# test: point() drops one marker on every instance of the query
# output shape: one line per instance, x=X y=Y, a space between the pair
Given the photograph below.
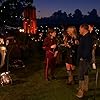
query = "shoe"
x=80 y=94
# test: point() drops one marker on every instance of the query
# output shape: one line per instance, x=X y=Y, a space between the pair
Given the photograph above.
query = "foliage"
x=62 y=18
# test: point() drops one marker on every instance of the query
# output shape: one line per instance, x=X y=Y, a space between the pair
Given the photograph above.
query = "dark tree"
x=93 y=17
x=77 y=17
x=11 y=12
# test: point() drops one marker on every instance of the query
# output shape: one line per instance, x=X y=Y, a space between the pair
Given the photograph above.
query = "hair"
x=85 y=26
x=92 y=25
x=74 y=29
x=50 y=30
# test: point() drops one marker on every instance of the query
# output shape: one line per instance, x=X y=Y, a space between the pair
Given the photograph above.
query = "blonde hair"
x=72 y=30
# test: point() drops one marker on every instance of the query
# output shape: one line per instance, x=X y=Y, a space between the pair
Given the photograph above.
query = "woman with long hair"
x=70 y=42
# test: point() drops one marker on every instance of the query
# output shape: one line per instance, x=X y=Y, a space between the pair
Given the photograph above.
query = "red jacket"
x=48 y=42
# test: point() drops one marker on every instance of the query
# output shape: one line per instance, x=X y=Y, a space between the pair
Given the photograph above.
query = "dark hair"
x=50 y=30
x=85 y=26
x=92 y=25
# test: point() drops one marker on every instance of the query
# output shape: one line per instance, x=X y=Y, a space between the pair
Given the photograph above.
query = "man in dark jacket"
x=85 y=55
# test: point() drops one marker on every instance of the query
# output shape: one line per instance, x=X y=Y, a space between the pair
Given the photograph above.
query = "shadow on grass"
x=15 y=82
x=98 y=89
x=61 y=77
x=89 y=97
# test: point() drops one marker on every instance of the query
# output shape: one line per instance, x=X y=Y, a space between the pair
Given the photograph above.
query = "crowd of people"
x=79 y=51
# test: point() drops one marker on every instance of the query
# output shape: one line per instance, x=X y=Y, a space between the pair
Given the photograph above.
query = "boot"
x=70 y=78
x=80 y=92
x=79 y=86
x=86 y=82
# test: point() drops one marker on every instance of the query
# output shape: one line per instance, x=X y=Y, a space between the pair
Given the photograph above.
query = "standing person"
x=2 y=51
x=50 y=46
x=85 y=55
x=70 y=42
x=94 y=40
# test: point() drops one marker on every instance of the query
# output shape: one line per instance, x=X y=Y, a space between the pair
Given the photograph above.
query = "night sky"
x=46 y=8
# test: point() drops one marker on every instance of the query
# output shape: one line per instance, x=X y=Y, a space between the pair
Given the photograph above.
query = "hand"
x=53 y=46
x=62 y=44
x=93 y=66
x=56 y=52
x=77 y=42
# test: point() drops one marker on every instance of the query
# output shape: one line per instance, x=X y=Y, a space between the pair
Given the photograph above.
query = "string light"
x=41 y=26
x=35 y=40
x=21 y=30
x=42 y=30
x=1 y=11
x=6 y=32
x=55 y=28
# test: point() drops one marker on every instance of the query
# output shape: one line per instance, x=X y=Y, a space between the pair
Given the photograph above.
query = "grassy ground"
x=29 y=84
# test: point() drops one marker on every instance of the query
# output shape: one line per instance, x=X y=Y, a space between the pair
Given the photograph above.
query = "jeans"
x=83 y=68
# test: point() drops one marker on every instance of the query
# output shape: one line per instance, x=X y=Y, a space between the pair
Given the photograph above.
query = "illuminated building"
x=29 y=22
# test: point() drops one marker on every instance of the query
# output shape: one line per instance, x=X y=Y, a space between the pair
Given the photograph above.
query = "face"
x=70 y=31
x=53 y=34
x=90 y=27
x=81 y=30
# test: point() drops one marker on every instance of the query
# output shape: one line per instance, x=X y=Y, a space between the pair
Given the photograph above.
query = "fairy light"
x=55 y=28
x=41 y=26
x=1 y=11
x=21 y=30
x=35 y=40
x=59 y=32
x=6 y=32
x=20 y=17
x=32 y=38
x=42 y=30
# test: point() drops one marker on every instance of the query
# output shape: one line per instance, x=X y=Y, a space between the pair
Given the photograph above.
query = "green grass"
x=29 y=84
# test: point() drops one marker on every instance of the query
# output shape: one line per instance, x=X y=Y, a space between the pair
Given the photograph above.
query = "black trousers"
x=83 y=68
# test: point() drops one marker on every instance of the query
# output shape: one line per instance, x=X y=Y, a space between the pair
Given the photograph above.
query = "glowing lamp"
x=21 y=30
